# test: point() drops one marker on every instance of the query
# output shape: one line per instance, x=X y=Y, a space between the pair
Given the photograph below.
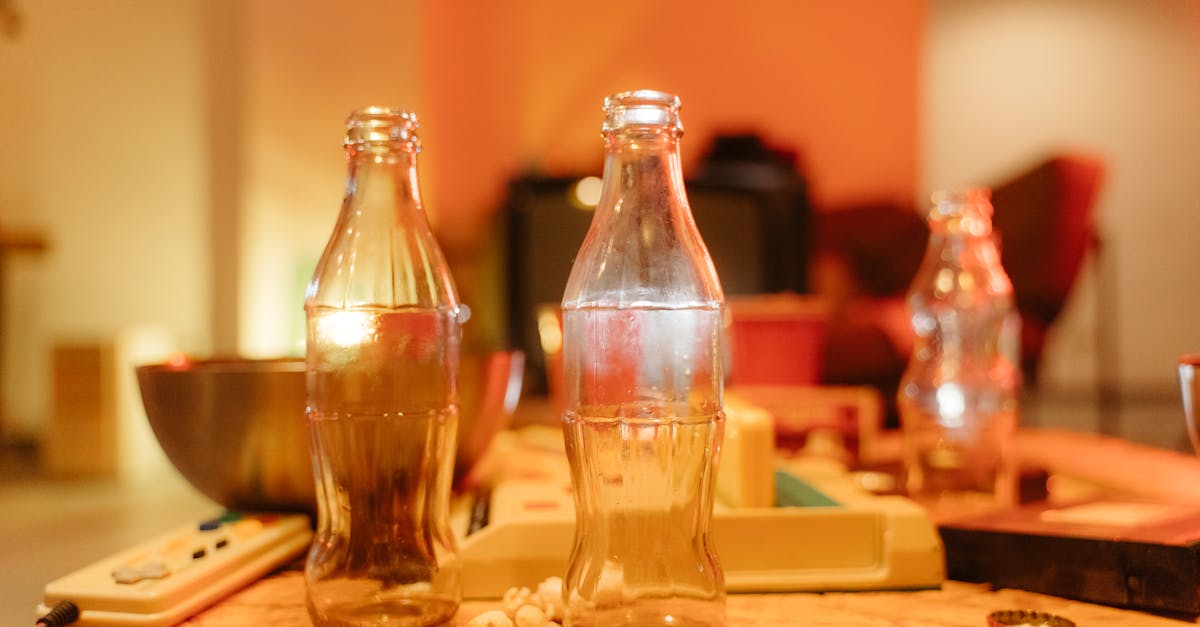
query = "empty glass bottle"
x=382 y=358
x=958 y=397
x=643 y=375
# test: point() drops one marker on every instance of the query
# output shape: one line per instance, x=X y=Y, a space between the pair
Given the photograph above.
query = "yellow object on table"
x=746 y=475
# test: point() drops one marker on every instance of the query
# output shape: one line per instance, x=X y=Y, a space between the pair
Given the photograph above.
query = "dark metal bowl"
x=235 y=428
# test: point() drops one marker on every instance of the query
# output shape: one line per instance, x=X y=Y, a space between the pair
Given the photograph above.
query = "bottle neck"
x=381 y=151
x=383 y=177
x=964 y=213
x=962 y=228
x=642 y=174
x=964 y=237
x=643 y=248
x=959 y=261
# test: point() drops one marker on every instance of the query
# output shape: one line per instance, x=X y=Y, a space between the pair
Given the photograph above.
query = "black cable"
x=64 y=613
x=481 y=510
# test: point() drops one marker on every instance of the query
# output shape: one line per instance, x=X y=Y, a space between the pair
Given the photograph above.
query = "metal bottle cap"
x=1030 y=618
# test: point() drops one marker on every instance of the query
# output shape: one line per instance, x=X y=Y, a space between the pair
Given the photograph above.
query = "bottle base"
x=675 y=613
x=385 y=611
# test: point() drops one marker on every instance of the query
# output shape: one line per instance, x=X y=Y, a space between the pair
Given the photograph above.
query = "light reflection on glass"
x=951 y=405
x=944 y=281
x=345 y=328
x=966 y=282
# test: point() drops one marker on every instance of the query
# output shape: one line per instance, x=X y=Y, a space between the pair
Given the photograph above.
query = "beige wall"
x=1006 y=82
x=304 y=67
x=102 y=147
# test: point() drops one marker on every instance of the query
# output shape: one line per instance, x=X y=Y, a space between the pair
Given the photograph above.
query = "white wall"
x=1008 y=81
x=184 y=159
x=305 y=66
x=102 y=148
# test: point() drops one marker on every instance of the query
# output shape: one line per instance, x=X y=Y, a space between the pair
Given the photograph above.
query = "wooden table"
x=278 y=601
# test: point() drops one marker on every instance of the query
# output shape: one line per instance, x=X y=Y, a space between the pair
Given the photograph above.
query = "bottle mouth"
x=642 y=109
x=963 y=195
x=382 y=125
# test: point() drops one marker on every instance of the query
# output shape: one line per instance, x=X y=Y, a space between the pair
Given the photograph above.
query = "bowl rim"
x=210 y=365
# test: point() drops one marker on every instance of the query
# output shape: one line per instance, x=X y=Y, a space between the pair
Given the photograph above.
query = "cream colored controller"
x=780 y=525
x=174 y=576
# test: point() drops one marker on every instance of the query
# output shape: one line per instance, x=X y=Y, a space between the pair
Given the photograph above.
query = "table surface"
x=279 y=601
x=1085 y=463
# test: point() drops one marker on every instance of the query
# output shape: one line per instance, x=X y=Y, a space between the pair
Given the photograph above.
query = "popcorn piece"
x=531 y=616
x=550 y=592
x=516 y=598
x=532 y=608
x=494 y=618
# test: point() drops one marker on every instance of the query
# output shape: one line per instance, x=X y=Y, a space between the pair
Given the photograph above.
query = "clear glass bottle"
x=958 y=396
x=382 y=357
x=643 y=383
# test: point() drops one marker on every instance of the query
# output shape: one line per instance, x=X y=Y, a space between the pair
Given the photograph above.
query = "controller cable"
x=62 y=614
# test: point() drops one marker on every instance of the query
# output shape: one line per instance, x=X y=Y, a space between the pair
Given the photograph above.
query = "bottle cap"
x=1012 y=618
